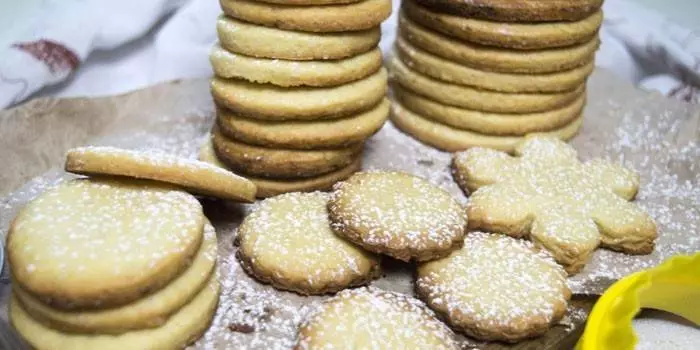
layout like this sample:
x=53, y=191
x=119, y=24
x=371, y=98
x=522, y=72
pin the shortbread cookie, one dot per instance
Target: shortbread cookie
x=489, y=123
x=496, y=59
x=287, y=241
x=496, y=288
x=181, y=329
x=195, y=176
x=397, y=214
x=518, y=11
x=445, y=70
x=269, y=102
x=561, y=204
x=294, y=73
x=371, y=318
x=476, y=99
x=265, y=42
x=506, y=35
x=280, y=163
x=360, y=15
x=97, y=243
x=451, y=139
x=331, y=133
x=149, y=312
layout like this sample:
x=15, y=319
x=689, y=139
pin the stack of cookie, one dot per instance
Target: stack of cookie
x=488, y=72
x=299, y=87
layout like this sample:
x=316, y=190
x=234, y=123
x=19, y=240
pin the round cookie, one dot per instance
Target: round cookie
x=287, y=241
x=280, y=163
x=475, y=99
x=328, y=18
x=496, y=59
x=99, y=243
x=269, y=102
x=524, y=36
x=451, y=139
x=518, y=11
x=294, y=73
x=496, y=288
x=195, y=176
x=397, y=214
x=371, y=318
x=150, y=312
x=331, y=133
x=259, y=41
x=181, y=329
x=445, y=70
x=489, y=123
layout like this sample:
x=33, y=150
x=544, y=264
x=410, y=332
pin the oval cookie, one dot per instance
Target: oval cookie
x=518, y=11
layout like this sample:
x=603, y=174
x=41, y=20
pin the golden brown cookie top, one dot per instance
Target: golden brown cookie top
x=517, y=11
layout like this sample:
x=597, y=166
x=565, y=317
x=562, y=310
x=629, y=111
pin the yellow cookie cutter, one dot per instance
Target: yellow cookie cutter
x=673, y=286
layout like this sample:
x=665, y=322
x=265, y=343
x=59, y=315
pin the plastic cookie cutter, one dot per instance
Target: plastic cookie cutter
x=673, y=286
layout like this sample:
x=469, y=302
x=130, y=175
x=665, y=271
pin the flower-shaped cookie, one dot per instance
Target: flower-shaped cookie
x=545, y=193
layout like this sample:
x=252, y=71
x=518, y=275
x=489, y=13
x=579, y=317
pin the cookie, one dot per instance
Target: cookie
x=397, y=214
x=451, y=139
x=546, y=194
x=259, y=41
x=518, y=11
x=489, y=123
x=100, y=243
x=150, y=312
x=331, y=133
x=524, y=36
x=181, y=329
x=360, y=15
x=496, y=288
x=294, y=73
x=445, y=70
x=476, y=99
x=287, y=241
x=371, y=318
x=269, y=102
x=195, y=176
x=496, y=59
x=280, y=163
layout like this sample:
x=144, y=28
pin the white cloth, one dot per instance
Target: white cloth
x=115, y=46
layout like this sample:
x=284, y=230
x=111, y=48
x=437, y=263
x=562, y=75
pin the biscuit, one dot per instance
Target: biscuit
x=371, y=318
x=397, y=214
x=360, y=15
x=150, y=312
x=182, y=328
x=331, y=133
x=445, y=70
x=476, y=99
x=496, y=288
x=192, y=175
x=99, y=243
x=269, y=102
x=280, y=163
x=524, y=36
x=489, y=123
x=451, y=139
x=294, y=73
x=518, y=11
x=546, y=194
x=259, y=41
x=496, y=59
x=287, y=242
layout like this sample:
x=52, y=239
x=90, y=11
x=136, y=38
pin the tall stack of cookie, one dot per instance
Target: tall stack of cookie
x=488, y=72
x=299, y=87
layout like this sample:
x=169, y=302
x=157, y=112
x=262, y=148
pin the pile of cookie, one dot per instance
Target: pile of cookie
x=299, y=86
x=486, y=73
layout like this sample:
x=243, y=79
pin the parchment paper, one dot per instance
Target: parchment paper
x=653, y=135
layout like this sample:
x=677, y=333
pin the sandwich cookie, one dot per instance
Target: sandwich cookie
x=518, y=11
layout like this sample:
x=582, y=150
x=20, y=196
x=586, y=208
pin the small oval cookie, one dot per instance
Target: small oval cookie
x=518, y=11
x=496, y=288
x=397, y=214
